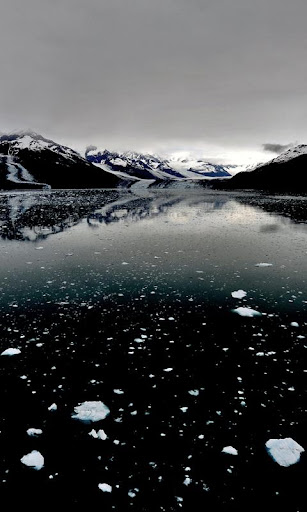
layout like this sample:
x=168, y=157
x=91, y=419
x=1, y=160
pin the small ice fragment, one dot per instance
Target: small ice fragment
x=138, y=340
x=11, y=352
x=167, y=369
x=100, y=434
x=284, y=451
x=187, y=481
x=34, y=460
x=52, y=407
x=248, y=312
x=132, y=492
x=105, y=487
x=264, y=265
x=125, y=263
x=171, y=318
x=39, y=248
x=230, y=450
x=118, y=391
x=294, y=324
x=193, y=392
x=91, y=411
x=239, y=294
x=183, y=409
x=33, y=432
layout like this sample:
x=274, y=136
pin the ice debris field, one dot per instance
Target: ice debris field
x=153, y=351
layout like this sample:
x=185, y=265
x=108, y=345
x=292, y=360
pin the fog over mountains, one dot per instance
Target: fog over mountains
x=29, y=160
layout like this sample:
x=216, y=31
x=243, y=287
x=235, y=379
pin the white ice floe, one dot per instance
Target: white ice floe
x=284, y=451
x=33, y=432
x=249, y=312
x=34, y=460
x=230, y=450
x=52, y=407
x=100, y=434
x=11, y=352
x=264, y=265
x=167, y=369
x=105, y=487
x=238, y=294
x=118, y=391
x=91, y=411
x=193, y=392
x=294, y=324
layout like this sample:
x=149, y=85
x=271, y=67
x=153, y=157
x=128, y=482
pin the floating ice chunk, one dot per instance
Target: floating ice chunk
x=284, y=451
x=125, y=263
x=239, y=294
x=11, y=352
x=91, y=411
x=100, y=434
x=52, y=407
x=230, y=450
x=187, y=481
x=33, y=432
x=249, y=312
x=105, y=487
x=34, y=460
x=264, y=265
x=118, y=391
x=132, y=492
x=193, y=392
x=167, y=369
x=294, y=324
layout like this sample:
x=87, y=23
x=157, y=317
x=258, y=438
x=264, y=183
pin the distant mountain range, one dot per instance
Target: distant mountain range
x=130, y=164
x=285, y=173
x=29, y=161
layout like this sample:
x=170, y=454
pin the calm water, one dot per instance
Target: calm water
x=126, y=298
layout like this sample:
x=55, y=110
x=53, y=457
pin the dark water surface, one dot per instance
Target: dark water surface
x=125, y=297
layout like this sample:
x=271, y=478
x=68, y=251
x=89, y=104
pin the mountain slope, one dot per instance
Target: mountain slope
x=287, y=172
x=145, y=166
x=28, y=160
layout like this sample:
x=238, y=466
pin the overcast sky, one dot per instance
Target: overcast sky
x=219, y=78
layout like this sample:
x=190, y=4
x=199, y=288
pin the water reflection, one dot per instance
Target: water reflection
x=34, y=216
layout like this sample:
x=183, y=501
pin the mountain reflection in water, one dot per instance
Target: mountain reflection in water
x=35, y=216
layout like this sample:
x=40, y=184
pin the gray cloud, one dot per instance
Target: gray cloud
x=155, y=73
x=276, y=148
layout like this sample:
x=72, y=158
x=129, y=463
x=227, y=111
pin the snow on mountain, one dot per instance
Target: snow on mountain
x=145, y=166
x=290, y=154
x=285, y=173
x=27, y=140
x=28, y=160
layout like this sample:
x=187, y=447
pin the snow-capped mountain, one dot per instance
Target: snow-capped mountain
x=28, y=160
x=145, y=166
x=286, y=172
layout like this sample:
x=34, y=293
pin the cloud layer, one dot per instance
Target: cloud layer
x=157, y=74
